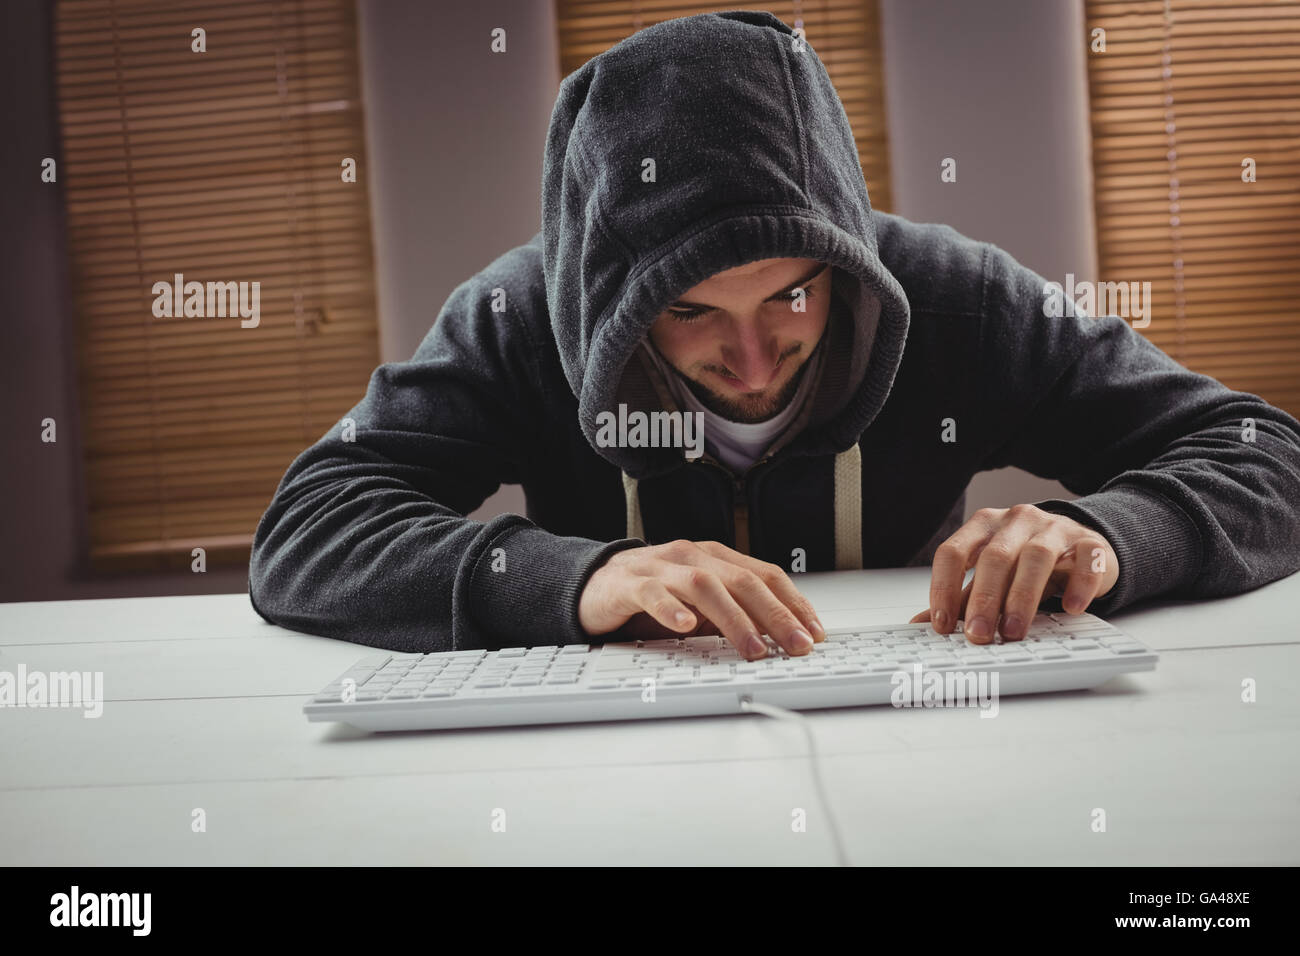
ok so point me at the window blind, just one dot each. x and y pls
(221, 167)
(1184, 93)
(844, 33)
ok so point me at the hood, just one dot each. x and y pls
(753, 158)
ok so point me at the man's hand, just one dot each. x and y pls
(1020, 555)
(687, 587)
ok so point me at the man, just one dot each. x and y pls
(708, 252)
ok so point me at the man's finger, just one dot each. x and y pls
(1038, 559)
(952, 559)
(924, 616)
(657, 601)
(777, 581)
(702, 588)
(772, 616)
(1086, 578)
(752, 593)
(993, 575)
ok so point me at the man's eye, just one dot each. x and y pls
(691, 315)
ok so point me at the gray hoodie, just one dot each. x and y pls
(693, 146)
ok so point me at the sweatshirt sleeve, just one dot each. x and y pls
(1195, 486)
(366, 537)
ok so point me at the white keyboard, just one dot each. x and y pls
(705, 675)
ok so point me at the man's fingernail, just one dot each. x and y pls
(977, 627)
(755, 647)
(819, 629)
(801, 640)
(940, 620)
(1013, 627)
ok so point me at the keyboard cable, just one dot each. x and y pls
(748, 704)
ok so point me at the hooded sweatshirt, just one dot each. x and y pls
(691, 147)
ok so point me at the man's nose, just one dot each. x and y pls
(752, 358)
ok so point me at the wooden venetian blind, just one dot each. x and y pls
(1183, 94)
(844, 33)
(224, 166)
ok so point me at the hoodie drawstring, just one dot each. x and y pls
(634, 529)
(848, 508)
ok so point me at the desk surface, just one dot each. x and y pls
(203, 710)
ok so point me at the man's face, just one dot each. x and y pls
(737, 340)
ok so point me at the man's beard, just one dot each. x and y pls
(749, 411)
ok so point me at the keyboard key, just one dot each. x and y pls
(508, 652)
(575, 648)
(937, 660)
(707, 643)
(1073, 623)
(438, 692)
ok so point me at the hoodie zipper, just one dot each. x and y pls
(739, 502)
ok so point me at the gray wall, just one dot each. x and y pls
(1000, 86)
(455, 134)
(455, 141)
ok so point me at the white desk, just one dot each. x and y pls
(203, 708)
